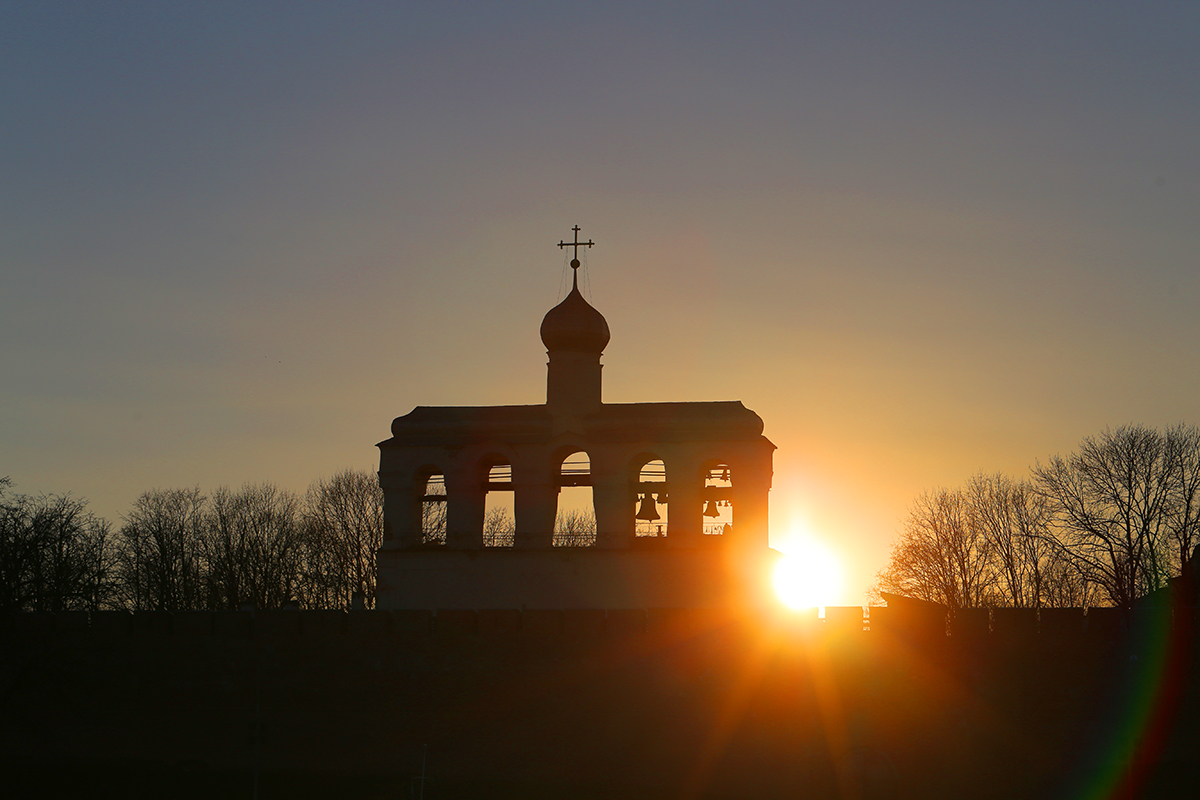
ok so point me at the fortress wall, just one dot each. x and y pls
(581, 702)
(968, 628)
(974, 626)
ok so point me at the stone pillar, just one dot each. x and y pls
(614, 512)
(465, 498)
(535, 505)
(751, 486)
(685, 508)
(401, 512)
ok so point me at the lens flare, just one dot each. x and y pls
(808, 574)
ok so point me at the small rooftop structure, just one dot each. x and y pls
(701, 461)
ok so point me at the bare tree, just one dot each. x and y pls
(941, 555)
(1030, 569)
(55, 555)
(987, 544)
(575, 528)
(1108, 523)
(433, 511)
(1183, 448)
(343, 530)
(71, 571)
(182, 551)
(499, 528)
(1012, 521)
(1115, 508)
(160, 558)
(1066, 586)
(253, 547)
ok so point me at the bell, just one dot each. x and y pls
(725, 475)
(663, 498)
(711, 509)
(647, 511)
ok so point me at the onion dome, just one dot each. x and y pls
(575, 326)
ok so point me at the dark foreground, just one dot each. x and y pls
(669, 704)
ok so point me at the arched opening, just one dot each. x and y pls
(433, 510)
(718, 499)
(575, 520)
(499, 521)
(651, 499)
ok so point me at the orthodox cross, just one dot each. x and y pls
(576, 244)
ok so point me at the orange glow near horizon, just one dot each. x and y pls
(809, 574)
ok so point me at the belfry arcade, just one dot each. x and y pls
(678, 494)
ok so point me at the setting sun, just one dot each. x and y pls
(808, 574)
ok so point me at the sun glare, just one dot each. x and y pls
(808, 574)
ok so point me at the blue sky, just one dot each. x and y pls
(921, 241)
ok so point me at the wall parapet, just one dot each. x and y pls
(979, 626)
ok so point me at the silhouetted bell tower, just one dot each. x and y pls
(453, 560)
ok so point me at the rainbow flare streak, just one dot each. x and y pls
(1151, 665)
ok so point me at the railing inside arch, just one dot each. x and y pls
(576, 473)
(651, 529)
(719, 475)
(653, 472)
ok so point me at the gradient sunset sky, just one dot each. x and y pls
(920, 240)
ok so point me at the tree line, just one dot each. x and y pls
(182, 550)
(1104, 525)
